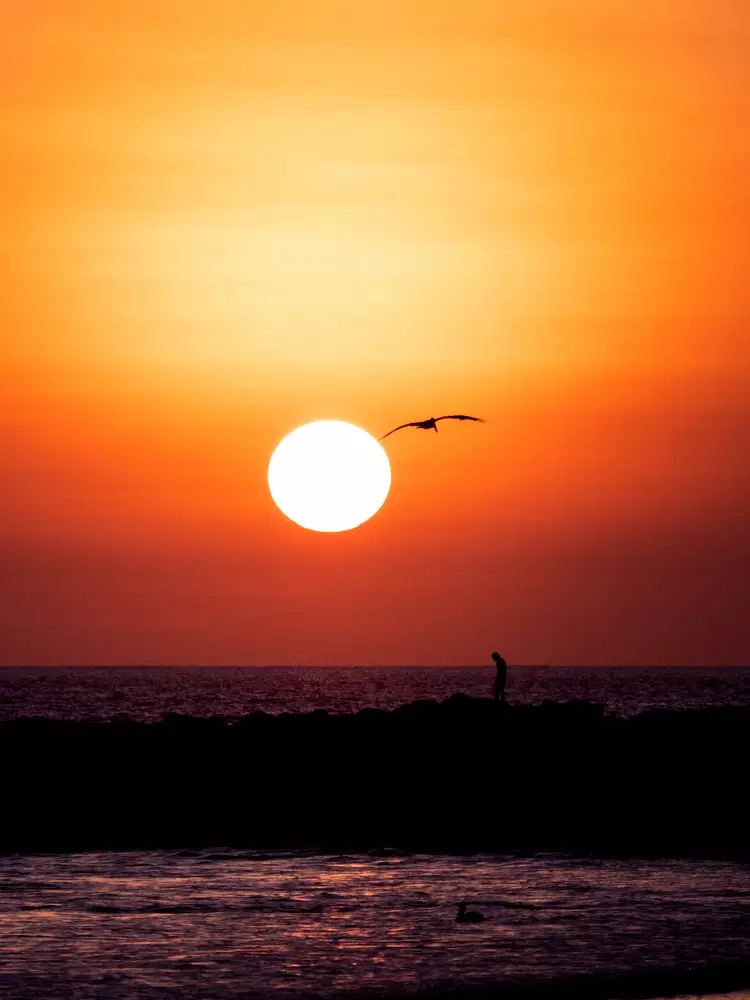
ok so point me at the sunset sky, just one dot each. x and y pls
(221, 219)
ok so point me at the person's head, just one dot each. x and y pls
(497, 658)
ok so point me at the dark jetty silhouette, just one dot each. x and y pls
(465, 774)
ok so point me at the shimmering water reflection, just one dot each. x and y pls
(234, 923)
(146, 693)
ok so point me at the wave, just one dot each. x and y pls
(644, 984)
(144, 909)
(462, 775)
(706, 980)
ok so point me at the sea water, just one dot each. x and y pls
(220, 924)
(146, 693)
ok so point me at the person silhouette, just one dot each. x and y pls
(501, 677)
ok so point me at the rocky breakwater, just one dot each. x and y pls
(465, 774)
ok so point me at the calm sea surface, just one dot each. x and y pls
(146, 693)
(223, 924)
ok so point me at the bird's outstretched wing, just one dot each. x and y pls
(461, 416)
(414, 423)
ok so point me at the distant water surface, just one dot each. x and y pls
(231, 924)
(146, 693)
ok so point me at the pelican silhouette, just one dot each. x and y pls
(465, 916)
(431, 424)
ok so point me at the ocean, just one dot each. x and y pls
(238, 924)
(146, 693)
(220, 922)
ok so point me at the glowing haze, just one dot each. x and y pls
(224, 220)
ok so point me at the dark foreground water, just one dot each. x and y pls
(220, 924)
(146, 693)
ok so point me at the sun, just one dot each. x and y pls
(329, 476)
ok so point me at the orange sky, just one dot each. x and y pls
(223, 219)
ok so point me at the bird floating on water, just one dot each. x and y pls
(431, 424)
(465, 916)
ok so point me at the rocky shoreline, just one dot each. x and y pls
(465, 774)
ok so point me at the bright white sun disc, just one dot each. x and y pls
(329, 476)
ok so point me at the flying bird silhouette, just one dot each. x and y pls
(431, 424)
